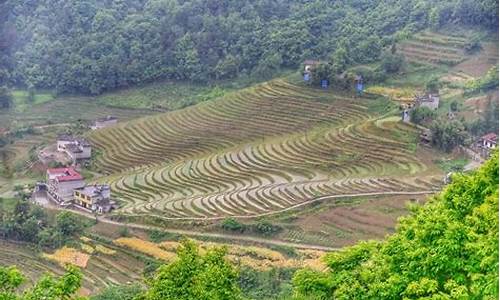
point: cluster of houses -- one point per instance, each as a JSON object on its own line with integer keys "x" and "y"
{"x": 66, "y": 186}
{"x": 429, "y": 100}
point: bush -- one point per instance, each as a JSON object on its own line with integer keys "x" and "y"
{"x": 231, "y": 224}
{"x": 420, "y": 115}
{"x": 123, "y": 232}
{"x": 266, "y": 228}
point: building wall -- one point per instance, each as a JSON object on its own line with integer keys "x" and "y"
{"x": 102, "y": 124}
{"x": 61, "y": 145}
{"x": 65, "y": 189}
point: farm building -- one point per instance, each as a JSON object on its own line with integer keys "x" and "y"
{"x": 75, "y": 148}
{"x": 94, "y": 197}
{"x": 61, "y": 182}
{"x": 430, "y": 100}
{"x": 310, "y": 64}
{"x": 104, "y": 122}
{"x": 488, "y": 141}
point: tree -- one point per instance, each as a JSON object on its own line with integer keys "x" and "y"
{"x": 421, "y": 115}
{"x": 432, "y": 85}
{"x": 10, "y": 280}
{"x": 47, "y": 288}
{"x": 195, "y": 276}
{"x": 392, "y": 63}
{"x": 445, "y": 249}
{"x": 68, "y": 224}
{"x": 448, "y": 134}
{"x": 187, "y": 58}
{"x": 5, "y": 98}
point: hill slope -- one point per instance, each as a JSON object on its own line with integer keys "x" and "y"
{"x": 447, "y": 249}
{"x": 259, "y": 151}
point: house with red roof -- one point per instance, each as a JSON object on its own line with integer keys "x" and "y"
{"x": 61, "y": 182}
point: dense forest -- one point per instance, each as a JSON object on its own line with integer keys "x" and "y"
{"x": 90, "y": 46}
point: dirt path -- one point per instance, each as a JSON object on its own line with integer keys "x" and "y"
{"x": 42, "y": 127}
{"x": 241, "y": 237}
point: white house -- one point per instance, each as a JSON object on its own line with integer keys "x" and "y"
{"x": 61, "y": 182}
{"x": 75, "y": 148}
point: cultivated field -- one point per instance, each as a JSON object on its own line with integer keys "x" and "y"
{"x": 262, "y": 150}
{"x": 434, "y": 48}
{"x": 100, "y": 269}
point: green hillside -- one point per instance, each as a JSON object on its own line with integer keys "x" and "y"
{"x": 445, "y": 249}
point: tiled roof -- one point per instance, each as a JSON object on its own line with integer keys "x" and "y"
{"x": 65, "y": 174}
{"x": 490, "y": 137}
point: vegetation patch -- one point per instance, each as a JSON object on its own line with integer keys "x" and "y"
{"x": 67, "y": 255}
{"x": 145, "y": 247}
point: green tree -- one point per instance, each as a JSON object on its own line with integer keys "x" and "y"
{"x": 10, "y": 280}
{"x": 120, "y": 292}
{"x": 68, "y": 224}
{"x": 392, "y": 62}
{"x": 47, "y": 288}
{"x": 422, "y": 114}
{"x": 195, "y": 276}
{"x": 448, "y": 134}
{"x": 445, "y": 249}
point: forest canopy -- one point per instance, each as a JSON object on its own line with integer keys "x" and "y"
{"x": 89, "y": 46}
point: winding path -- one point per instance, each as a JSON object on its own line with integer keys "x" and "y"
{"x": 242, "y": 238}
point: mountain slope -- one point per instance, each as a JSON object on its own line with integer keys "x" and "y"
{"x": 259, "y": 151}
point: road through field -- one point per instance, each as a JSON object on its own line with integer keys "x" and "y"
{"x": 243, "y": 238}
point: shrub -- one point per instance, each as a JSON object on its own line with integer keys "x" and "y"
{"x": 232, "y": 225}
{"x": 420, "y": 115}
{"x": 266, "y": 228}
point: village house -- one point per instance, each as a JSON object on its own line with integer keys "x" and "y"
{"x": 488, "y": 141}
{"x": 61, "y": 182}
{"x": 96, "y": 198}
{"x": 75, "y": 148}
{"x": 104, "y": 122}
{"x": 430, "y": 100}
{"x": 310, "y": 64}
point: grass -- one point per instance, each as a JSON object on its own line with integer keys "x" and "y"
{"x": 161, "y": 95}
{"x": 452, "y": 165}
{"x": 21, "y": 99}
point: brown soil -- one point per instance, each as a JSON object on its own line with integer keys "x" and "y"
{"x": 373, "y": 218}
{"x": 481, "y": 62}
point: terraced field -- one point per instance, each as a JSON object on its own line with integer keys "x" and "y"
{"x": 259, "y": 151}
{"x": 433, "y": 48}
{"x": 101, "y": 271}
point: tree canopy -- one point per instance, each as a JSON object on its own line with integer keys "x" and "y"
{"x": 90, "y": 46}
{"x": 195, "y": 276}
{"x": 47, "y": 288}
{"x": 446, "y": 249}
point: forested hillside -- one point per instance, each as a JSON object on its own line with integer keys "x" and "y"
{"x": 446, "y": 249}
{"x": 90, "y": 46}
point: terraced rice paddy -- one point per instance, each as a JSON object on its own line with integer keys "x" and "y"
{"x": 101, "y": 269}
{"x": 433, "y": 48}
{"x": 259, "y": 151}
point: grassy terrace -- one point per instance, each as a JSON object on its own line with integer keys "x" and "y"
{"x": 258, "y": 151}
